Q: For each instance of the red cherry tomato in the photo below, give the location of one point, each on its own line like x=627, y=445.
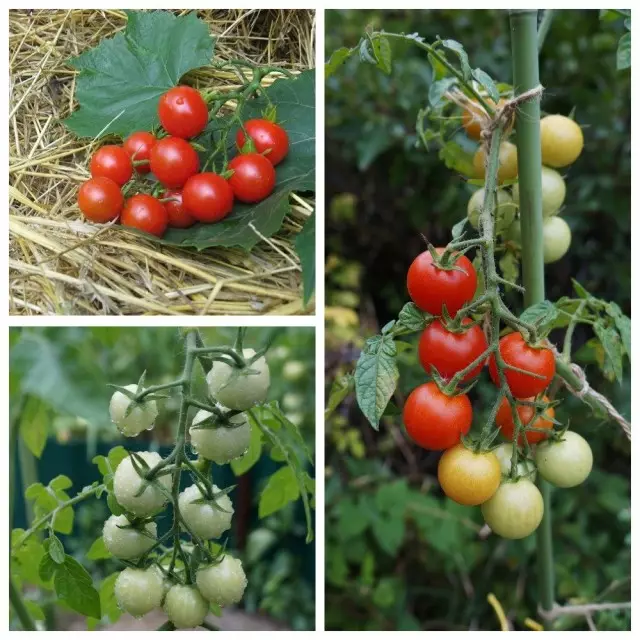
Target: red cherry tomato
x=434, y=420
x=253, y=177
x=517, y=353
x=183, y=112
x=268, y=137
x=179, y=217
x=112, y=162
x=451, y=352
x=145, y=213
x=207, y=197
x=504, y=419
x=138, y=146
x=431, y=287
x=173, y=161
x=100, y=200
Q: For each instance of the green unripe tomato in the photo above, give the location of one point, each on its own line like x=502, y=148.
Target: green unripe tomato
x=505, y=211
x=139, y=419
x=223, y=443
x=556, y=237
x=515, y=509
x=138, y=591
x=203, y=519
x=223, y=583
x=248, y=387
x=525, y=468
x=127, y=483
x=125, y=542
x=565, y=463
x=554, y=191
x=185, y=607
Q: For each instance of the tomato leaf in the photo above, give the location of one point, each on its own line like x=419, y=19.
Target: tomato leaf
x=122, y=78
x=623, y=55
x=487, y=82
x=337, y=59
x=74, y=587
x=340, y=389
x=376, y=377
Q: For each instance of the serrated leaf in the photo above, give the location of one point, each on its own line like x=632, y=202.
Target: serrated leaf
x=611, y=343
x=376, y=377
x=623, y=324
x=34, y=425
x=121, y=79
x=412, y=318
x=580, y=290
x=74, y=587
x=340, y=389
x=382, y=53
x=487, y=82
x=251, y=457
x=305, y=244
x=623, y=55
x=337, y=59
x=281, y=489
x=437, y=90
x=458, y=49
x=541, y=314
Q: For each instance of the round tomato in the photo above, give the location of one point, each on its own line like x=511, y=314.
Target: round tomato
x=450, y=352
x=561, y=140
x=145, y=213
x=554, y=191
x=517, y=353
x=112, y=162
x=525, y=468
x=504, y=419
x=565, y=463
x=475, y=118
x=556, y=239
x=173, y=161
x=208, y=197
x=434, y=420
x=515, y=510
x=100, y=199
x=508, y=162
x=467, y=477
x=253, y=177
x=183, y=112
x=431, y=287
x=268, y=138
x=179, y=217
x=504, y=214
x=138, y=147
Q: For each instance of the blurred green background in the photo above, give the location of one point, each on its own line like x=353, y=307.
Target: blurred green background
x=398, y=555
x=59, y=378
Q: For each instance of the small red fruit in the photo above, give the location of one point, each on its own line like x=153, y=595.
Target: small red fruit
x=100, y=199
x=111, y=162
x=207, y=197
x=138, y=146
x=253, y=177
x=145, y=213
x=179, y=217
x=183, y=112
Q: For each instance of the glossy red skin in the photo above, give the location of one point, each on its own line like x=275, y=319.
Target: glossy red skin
x=253, y=179
x=266, y=136
x=504, y=419
x=208, y=197
x=451, y=352
x=179, y=217
x=517, y=353
x=431, y=287
x=111, y=161
x=183, y=112
x=173, y=161
x=100, y=200
x=436, y=421
x=145, y=213
x=138, y=147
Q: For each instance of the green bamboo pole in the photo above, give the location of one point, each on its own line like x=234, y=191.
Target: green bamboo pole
x=524, y=39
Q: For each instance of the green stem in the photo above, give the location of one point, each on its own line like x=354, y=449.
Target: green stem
x=19, y=607
x=524, y=40
x=545, y=25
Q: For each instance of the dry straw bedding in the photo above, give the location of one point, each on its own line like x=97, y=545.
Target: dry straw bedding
x=59, y=264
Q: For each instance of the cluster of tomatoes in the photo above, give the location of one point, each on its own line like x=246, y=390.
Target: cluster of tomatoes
x=183, y=194
x=561, y=144
x=439, y=418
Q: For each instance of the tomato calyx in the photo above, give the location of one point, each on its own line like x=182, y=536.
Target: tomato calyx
x=451, y=387
x=447, y=259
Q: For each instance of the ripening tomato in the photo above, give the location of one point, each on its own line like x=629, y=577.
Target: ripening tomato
x=253, y=177
x=517, y=353
x=145, y=213
x=138, y=146
x=111, y=162
x=100, y=200
x=434, y=420
x=450, y=352
x=554, y=191
x=431, y=287
x=567, y=462
x=525, y=468
x=469, y=477
x=207, y=197
x=504, y=419
x=269, y=139
x=475, y=118
x=561, y=140
x=173, y=161
x=179, y=217
x=183, y=112
x=556, y=239
x=515, y=510
x=505, y=211
x=507, y=158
